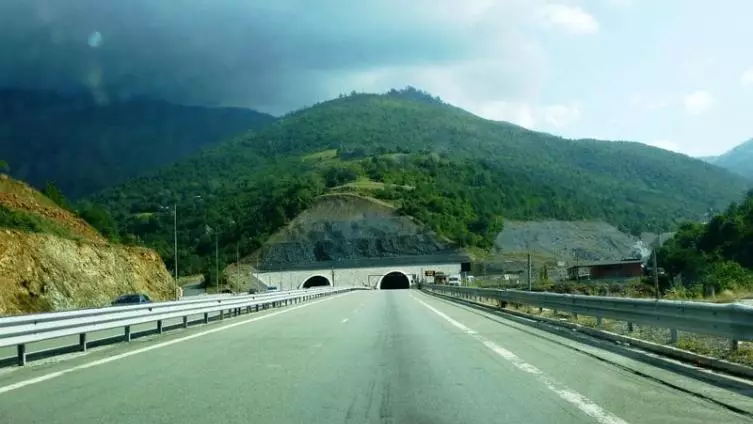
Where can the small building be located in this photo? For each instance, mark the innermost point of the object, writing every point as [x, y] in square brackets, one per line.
[606, 270]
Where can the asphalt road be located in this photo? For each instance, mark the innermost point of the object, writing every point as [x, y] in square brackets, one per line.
[363, 357]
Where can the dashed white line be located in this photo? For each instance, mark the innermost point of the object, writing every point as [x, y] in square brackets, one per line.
[581, 402]
[50, 376]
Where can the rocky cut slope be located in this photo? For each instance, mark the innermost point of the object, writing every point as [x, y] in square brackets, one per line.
[349, 227]
[52, 260]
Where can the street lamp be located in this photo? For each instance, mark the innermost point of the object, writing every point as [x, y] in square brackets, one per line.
[175, 243]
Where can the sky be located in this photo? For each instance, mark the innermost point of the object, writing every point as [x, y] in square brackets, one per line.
[677, 74]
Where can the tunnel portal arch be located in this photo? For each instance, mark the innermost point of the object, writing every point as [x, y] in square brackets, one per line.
[394, 280]
[316, 281]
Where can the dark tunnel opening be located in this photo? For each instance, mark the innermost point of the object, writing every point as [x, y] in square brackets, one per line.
[316, 281]
[395, 281]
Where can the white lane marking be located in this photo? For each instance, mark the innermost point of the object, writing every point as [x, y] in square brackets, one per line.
[50, 376]
[581, 402]
[344, 321]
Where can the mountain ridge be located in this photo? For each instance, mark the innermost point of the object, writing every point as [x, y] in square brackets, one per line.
[83, 146]
[739, 159]
[457, 173]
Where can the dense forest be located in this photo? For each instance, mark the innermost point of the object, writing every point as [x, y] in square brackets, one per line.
[457, 173]
[739, 159]
[714, 256]
[83, 146]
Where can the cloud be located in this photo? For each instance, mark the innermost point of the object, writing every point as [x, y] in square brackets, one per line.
[518, 113]
[649, 102]
[747, 78]
[562, 115]
[278, 55]
[699, 102]
[623, 4]
[570, 18]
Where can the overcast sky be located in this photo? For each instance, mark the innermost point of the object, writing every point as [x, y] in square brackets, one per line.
[677, 74]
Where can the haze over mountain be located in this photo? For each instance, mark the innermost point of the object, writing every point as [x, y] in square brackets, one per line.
[83, 146]
[458, 174]
[558, 66]
[739, 159]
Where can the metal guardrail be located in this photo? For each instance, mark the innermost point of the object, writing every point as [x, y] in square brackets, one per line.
[733, 321]
[24, 329]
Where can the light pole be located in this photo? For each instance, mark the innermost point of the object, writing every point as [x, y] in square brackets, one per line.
[175, 245]
[217, 259]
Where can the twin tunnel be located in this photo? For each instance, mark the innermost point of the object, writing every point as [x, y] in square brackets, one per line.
[391, 281]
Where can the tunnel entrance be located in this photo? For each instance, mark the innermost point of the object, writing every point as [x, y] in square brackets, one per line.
[316, 281]
[394, 281]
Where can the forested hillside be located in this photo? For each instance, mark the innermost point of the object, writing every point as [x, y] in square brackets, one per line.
[739, 159]
[83, 146]
[718, 254]
[457, 173]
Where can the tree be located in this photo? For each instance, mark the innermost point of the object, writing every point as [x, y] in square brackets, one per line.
[53, 193]
[4, 166]
[100, 218]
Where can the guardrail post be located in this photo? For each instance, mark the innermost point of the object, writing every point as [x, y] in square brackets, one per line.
[159, 327]
[206, 317]
[733, 345]
[630, 327]
[541, 310]
[222, 314]
[673, 336]
[21, 351]
[599, 321]
[257, 307]
[185, 322]
[127, 334]
[575, 316]
[82, 342]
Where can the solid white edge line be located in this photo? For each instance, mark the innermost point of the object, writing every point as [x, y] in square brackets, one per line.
[50, 376]
[581, 402]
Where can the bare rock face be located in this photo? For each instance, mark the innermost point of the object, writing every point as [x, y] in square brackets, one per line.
[73, 268]
[566, 240]
[346, 227]
[40, 272]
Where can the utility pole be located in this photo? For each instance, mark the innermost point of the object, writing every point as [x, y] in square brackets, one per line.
[175, 245]
[217, 260]
[530, 270]
[656, 268]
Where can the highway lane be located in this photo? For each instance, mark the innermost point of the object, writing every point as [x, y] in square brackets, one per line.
[363, 357]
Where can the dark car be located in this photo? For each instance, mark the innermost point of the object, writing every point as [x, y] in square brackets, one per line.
[131, 299]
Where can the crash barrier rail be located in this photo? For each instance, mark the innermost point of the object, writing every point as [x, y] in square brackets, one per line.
[24, 329]
[732, 321]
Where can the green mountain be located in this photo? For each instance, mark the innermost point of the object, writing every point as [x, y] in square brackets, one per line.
[84, 147]
[459, 174]
[739, 159]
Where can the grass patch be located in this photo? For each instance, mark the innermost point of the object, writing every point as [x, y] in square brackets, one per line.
[32, 223]
[323, 155]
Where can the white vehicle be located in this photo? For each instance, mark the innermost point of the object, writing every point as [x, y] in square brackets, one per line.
[454, 280]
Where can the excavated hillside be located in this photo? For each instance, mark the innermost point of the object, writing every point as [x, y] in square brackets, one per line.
[52, 260]
[349, 227]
